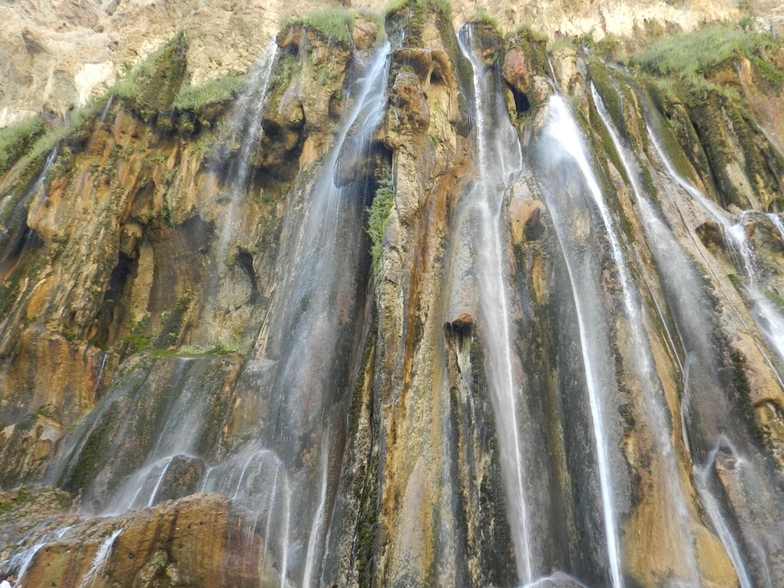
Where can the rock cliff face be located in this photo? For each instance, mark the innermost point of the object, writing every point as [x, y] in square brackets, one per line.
[57, 54]
[406, 305]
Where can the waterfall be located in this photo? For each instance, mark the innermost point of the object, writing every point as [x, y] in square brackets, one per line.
[767, 317]
[14, 232]
[100, 122]
[314, 317]
[702, 475]
[21, 561]
[561, 141]
[655, 403]
[778, 223]
[709, 411]
[250, 110]
[498, 163]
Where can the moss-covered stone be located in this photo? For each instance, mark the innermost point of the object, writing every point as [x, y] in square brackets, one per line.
[155, 85]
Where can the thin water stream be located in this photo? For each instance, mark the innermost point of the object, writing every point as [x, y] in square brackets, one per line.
[250, 110]
[99, 561]
[499, 162]
[561, 143]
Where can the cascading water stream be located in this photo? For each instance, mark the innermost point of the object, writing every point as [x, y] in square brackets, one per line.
[99, 561]
[653, 395]
[777, 222]
[101, 120]
[15, 235]
[768, 319]
[318, 520]
[498, 163]
[313, 319]
[21, 561]
[562, 138]
[710, 407]
[250, 103]
[702, 479]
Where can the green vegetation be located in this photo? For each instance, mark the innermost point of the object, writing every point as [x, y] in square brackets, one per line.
[138, 339]
[155, 84]
[217, 348]
[93, 453]
[332, 22]
[700, 50]
[33, 161]
[282, 73]
[17, 139]
[373, 17]
[527, 31]
[214, 91]
[444, 7]
[485, 18]
[22, 496]
[378, 217]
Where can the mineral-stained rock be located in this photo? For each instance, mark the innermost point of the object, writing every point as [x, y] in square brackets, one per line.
[143, 279]
[192, 542]
[410, 102]
[27, 447]
[516, 69]
[183, 477]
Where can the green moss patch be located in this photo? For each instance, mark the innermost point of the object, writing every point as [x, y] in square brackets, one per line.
[378, 218]
[155, 84]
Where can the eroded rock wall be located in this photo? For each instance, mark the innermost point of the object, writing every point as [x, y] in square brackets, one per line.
[145, 312]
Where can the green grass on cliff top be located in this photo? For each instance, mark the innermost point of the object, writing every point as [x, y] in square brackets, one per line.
[215, 91]
[333, 22]
[699, 50]
[442, 6]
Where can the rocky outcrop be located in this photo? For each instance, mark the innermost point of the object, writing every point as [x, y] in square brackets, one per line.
[58, 56]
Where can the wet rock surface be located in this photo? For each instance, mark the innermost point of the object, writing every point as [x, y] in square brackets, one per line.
[559, 366]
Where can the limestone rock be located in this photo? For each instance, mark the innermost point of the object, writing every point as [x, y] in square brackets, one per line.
[516, 69]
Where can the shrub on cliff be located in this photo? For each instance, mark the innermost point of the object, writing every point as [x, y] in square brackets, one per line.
[155, 84]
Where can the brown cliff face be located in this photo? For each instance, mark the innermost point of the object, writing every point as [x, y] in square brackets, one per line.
[466, 309]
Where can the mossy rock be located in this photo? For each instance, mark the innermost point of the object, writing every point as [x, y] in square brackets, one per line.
[156, 84]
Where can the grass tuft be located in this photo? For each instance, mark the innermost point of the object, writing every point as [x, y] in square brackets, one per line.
[17, 139]
[485, 18]
[378, 218]
[332, 22]
[443, 7]
[698, 51]
[214, 91]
